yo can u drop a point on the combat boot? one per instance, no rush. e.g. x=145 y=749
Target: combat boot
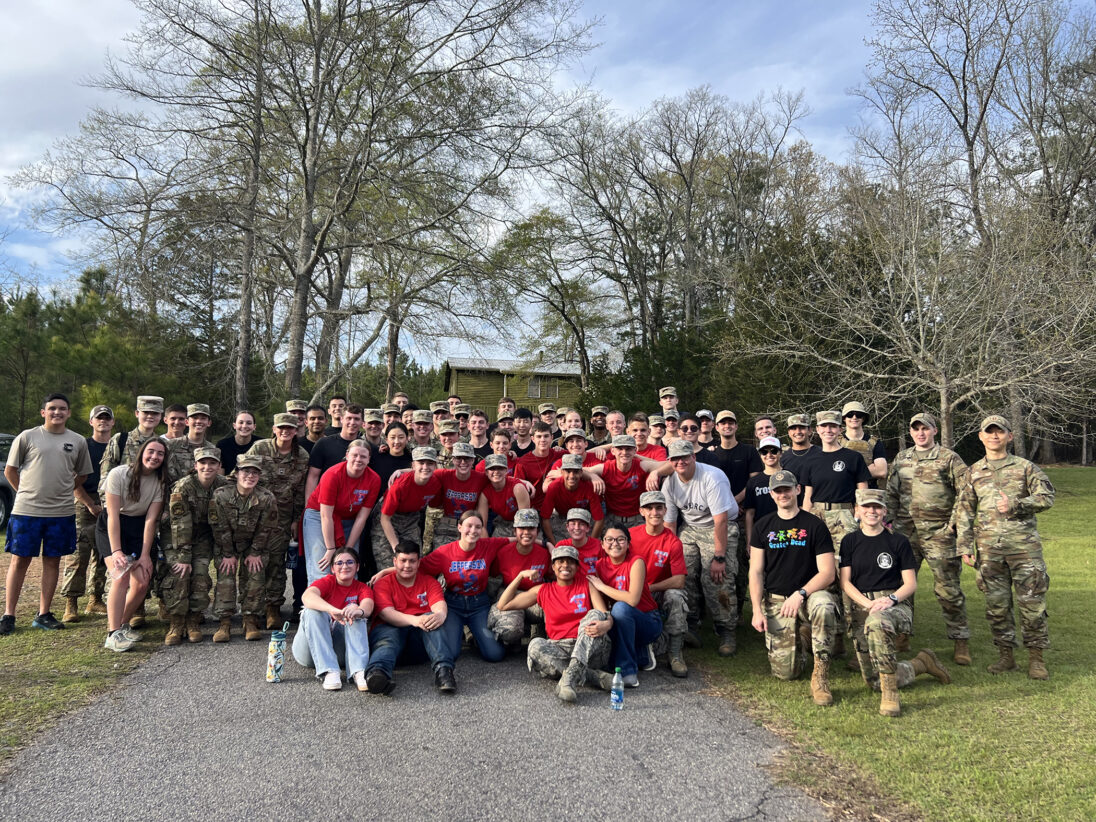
x=962 y=652
x=174 y=634
x=727 y=644
x=161 y=612
x=888 y=703
x=224 y=632
x=138 y=618
x=569 y=682
x=96 y=606
x=926 y=662
x=677 y=659
x=820 y=682
x=194 y=628
x=251 y=629
x=1037 y=669
x=273 y=617
x=72 y=610
x=1006 y=662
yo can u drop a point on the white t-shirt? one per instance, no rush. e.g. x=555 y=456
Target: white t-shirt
x=48 y=465
x=151 y=490
x=697 y=501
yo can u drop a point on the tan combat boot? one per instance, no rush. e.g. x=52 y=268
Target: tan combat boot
x=962 y=652
x=677 y=658
x=926 y=662
x=174 y=635
x=1006 y=662
x=224 y=632
x=1037 y=669
x=888 y=703
x=138 y=618
x=820 y=682
x=251 y=629
x=194 y=628
x=567 y=690
x=72 y=610
x=273 y=617
x=95 y=606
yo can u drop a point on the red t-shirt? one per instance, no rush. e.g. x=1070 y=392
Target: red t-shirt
x=620 y=576
x=564 y=607
x=663 y=554
x=458 y=496
x=503 y=502
x=405 y=497
x=535 y=469
x=560 y=500
x=588 y=459
x=346 y=494
x=652 y=452
x=340 y=596
x=414 y=600
x=465 y=572
x=588 y=554
x=510 y=562
x=622 y=491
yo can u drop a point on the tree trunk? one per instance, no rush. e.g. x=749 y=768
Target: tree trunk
x=947 y=438
x=1016 y=411
x=393 y=349
x=1084 y=441
x=329 y=328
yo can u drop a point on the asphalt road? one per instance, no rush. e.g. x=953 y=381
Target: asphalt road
x=197 y=733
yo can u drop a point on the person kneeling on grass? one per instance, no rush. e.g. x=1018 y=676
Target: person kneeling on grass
x=334 y=624
x=577 y=622
x=878 y=575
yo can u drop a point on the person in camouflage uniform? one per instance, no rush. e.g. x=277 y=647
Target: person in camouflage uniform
x=509 y=626
x=996 y=534
x=921 y=489
x=867 y=445
x=242 y=517
x=186 y=588
x=285 y=467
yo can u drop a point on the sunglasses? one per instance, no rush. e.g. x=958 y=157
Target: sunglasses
x=857 y=415
x=765 y=451
x=688 y=428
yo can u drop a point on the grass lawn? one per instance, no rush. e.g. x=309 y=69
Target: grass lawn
x=984 y=748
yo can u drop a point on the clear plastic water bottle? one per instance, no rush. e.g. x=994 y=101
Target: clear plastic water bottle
x=616 y=694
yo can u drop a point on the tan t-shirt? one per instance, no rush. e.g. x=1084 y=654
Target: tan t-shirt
x=151 y=490
x=48 y=465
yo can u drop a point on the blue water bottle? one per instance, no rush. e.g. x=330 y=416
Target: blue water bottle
x=616 y=694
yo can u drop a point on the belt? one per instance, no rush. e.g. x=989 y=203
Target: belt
x=836 y=506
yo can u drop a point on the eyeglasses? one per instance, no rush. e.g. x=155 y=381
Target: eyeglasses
x=342 y=563
x=688 y=428
x=614 y=540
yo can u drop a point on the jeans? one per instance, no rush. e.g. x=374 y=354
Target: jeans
x=389 y=642
x=313 y=543
x=632 y=629
x=323 y=644
x=473 y=612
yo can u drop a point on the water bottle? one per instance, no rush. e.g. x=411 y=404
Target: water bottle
x=616 y=694
x=275 y=655
x=291 y=554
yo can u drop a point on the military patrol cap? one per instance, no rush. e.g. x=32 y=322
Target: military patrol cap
x=582 y=514
x=624 y=441
x=850 y=407
x=925 y=418
x=670 y=415
x=391 y=408
x=545 y=407
x=249 y=461
x=725 y=415
x=782 y=479
x=704 y=412
x=995 y=419
x=463 y=449
x=196 y=408
x=526 y=518
x=573 y=432
x=565 y=552
x=147 y=402
x=439 y=406
x=424 y=454
x=680 y=448
x=827 y=418
x=207 y=452
x=871 y=496
x=296 y=405
x=495 y=461
x=99 y=410
x=599 y=409
x=372 y=415
x=464 y=409
x=448 y=427
x=655 y=419
x=799 y=421
x=769 y=442
x=563 y=410
x=506 y=415
x=648 y=498
x=285 y=421
x=571 y=462
x=668 y=391
x=422 y=415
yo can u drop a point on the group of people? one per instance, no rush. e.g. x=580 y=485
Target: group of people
x=602 y=542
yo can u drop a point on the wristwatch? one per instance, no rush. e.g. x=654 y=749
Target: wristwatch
x=892 y=598
x=802 y=592
x=719 y=559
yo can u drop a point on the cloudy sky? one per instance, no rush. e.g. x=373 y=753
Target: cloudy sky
x=648 y=49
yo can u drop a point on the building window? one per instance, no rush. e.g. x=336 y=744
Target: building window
x=543 y=388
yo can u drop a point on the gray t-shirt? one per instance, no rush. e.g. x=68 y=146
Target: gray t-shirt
x=151 y=490
x=48 y=465
x=697 y=501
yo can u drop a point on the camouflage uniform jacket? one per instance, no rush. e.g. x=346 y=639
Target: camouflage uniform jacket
x=189 y=509
x=241 y=524
x=180 y=458
x=922 y=487
x=978 y=524
x=114 y=455
x=284 y=476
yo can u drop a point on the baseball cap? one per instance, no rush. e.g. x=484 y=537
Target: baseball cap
x=624 y=441
x=249 y=461
x=526 y=518
x=571 y=462
x=651 y=498
x=439 y=406
x=424 y=453
x=574 y=432
x=496 y=461
x=827 y=418
x=564 y=552
x=448 y=427
x=925 y=418
x=704 y=412
x=799 y=421
x=285 y=421
x=656 y=419
x=99 y=411
x=422 y=415
x=463 y=410
x=680 y=448
x=147 y=402
x=725 y=415
x=668 y=391
x=995 y=419
x=580 y=513
x=196 y=408
x=207 y=452
x=599 y=409
x=769 y=442
x=782 y=479
x=296 y=405
x=463 y=449
x=545 y=407
x=871 y=496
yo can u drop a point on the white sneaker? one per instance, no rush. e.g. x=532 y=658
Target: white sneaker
x=117 y=641
x=651 y=661
x=359 y=680
x=332 y=681
x=130 y=634
x=631 y=681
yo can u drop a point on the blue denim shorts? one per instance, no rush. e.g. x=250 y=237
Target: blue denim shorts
x=51 y=536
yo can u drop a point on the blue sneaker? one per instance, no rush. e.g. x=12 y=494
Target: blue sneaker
x=47 y=622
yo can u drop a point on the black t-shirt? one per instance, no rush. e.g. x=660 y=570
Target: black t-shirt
x=833 y=475
x=327 y=452
x=877 y=562
x=737 y=463
x=482 y=451
x=796 y=461
x=518 y=450
x=386 y=465
x=790 y=547
x=96 y=450
x=230 y=450
x=305 y=443
x=332 y=431
x=757 y=497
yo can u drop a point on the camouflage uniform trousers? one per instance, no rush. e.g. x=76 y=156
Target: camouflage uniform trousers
x=1027 y=573
x=162 y=572
x=74 y=582
x=274 y=566
x=406 y=527
x=549 y=658
x=788 y=651
x=674 y=605
x=251 y=588
x=874 y=635
x=946 y=571
x=429 y=525
x=445 y=531
x=840 y=522
x=509 y=626
x=190 y=594
x=720 y=598
x=617 y=521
